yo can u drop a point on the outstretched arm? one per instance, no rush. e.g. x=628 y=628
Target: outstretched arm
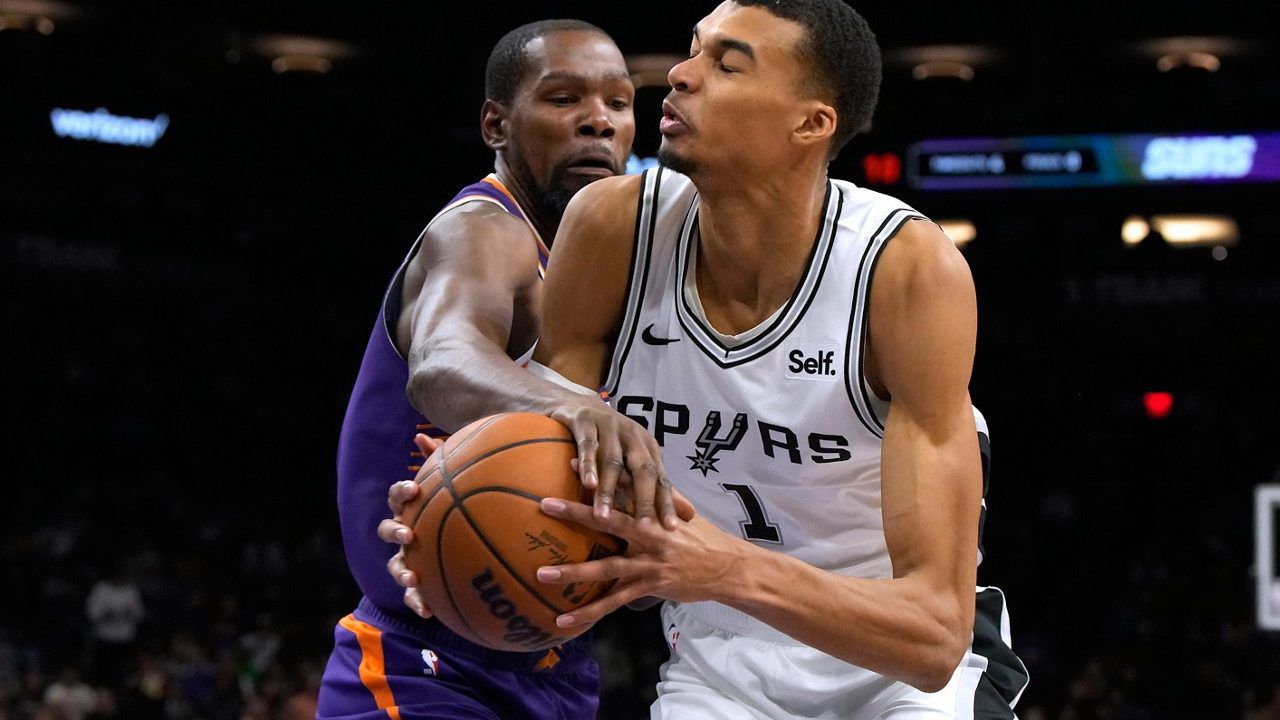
x=914 y=626
x=470 y=300
x=477 y=275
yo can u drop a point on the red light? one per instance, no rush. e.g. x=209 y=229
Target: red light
x=1158 y=404
x=884 y=169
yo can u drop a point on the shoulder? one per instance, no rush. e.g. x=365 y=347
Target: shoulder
x=870 y=212
x=915 y=248
x=603 y=203
x=922 y=259
x=478 y=219
x=476 y=230
x=599 y=221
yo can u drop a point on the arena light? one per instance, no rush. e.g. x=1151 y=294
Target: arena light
x=1197 y=52
x=1135 y=230
x=301 y=63
x=943 y=69
x=300 y=53
x=960 y=62
x=1199 y=60
x=17 y=21
x=33 y=15
x=1197 y=230
x=961 y=231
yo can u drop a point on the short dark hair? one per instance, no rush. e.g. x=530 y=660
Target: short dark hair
x=842 y=55
x=509 y=62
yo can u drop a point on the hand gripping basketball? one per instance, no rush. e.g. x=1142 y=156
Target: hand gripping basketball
x=477 y=535
x=391 y=530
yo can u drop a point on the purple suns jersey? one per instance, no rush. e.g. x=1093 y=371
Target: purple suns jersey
x=375 y=448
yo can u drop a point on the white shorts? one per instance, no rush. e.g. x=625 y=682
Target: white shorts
x=718 y=673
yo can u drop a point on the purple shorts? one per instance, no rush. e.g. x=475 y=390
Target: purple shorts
x=399 y=667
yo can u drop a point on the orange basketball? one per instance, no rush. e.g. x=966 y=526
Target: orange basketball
x=480 y=536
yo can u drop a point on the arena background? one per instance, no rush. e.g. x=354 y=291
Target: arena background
x=183 y=322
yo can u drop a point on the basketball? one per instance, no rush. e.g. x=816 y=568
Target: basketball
x=480 y=535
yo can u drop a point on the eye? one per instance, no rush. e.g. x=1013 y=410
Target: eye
x=620 y=104
x=562 y=100
x=725 y=68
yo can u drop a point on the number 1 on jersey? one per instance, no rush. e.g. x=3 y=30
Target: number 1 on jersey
x=757 y=525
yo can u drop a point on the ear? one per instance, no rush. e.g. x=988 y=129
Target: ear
x=817 y=126
x=493 y=125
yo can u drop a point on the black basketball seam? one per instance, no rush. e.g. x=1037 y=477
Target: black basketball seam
x=419 y=482
x=477 y=431
x=497 y=556
x=444 y=579
x=447 y=482
x=448 y=476
x=509 y=491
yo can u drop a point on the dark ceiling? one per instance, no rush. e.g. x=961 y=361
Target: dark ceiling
x=408 y=94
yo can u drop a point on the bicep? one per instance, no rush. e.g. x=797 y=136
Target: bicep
x=586 y=281
x=923 y=326
x=475 y=269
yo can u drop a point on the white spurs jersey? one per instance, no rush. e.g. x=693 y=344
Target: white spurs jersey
x=773 y=435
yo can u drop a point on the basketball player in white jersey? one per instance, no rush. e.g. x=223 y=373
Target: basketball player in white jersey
x=801 y=348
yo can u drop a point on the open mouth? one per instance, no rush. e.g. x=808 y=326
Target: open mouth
x=672 y=123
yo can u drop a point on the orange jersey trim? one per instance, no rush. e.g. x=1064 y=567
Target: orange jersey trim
x=548 y=661
x=373 y=671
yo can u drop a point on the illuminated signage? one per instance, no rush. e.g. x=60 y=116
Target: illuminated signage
x=101 y=126
x=1199 y=158
x=882 y=169
x=1093 y=161
x=1266 y=525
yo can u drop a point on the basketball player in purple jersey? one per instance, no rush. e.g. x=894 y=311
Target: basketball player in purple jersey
x=558 y=116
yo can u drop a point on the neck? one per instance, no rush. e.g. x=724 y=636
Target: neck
x=545 y=221
x=756 y=234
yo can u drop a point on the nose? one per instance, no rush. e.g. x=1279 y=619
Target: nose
x=598 y=120
x=682 y=77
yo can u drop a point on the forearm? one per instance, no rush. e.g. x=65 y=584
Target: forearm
x=456 y=381
x=906 y=628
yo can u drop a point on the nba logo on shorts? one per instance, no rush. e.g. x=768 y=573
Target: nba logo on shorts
x=432 y=662
x=673 y=636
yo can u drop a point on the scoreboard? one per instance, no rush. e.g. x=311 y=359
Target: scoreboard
x=1093 y=161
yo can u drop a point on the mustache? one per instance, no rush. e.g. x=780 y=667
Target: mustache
x=599 y=156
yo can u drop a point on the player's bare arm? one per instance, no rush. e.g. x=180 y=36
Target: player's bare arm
x=469 y=298
x=476 y=280
x=470 y=307
x=916 y=625
x=583 y=297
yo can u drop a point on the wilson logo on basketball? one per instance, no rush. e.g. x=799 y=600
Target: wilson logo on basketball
x=519 y=629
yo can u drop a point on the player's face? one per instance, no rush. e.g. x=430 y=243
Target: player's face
x=571 y=121
x=735 y=102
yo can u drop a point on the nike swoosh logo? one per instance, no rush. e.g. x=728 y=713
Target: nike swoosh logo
x=649 y=338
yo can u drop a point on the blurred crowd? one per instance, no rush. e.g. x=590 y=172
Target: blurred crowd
x=160 y=633
x=221 y=625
